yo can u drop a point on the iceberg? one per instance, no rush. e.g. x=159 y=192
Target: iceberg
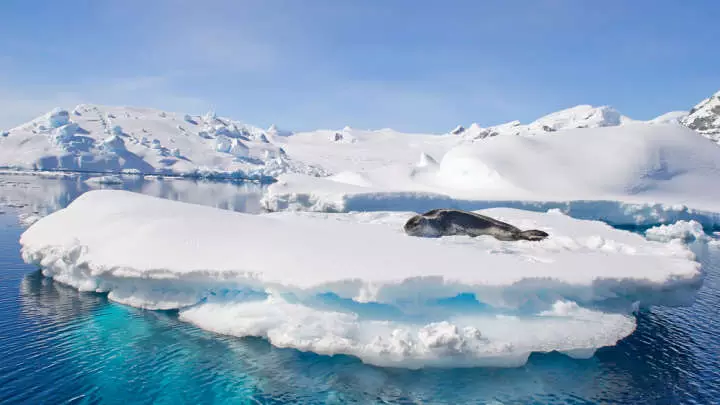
x=355 y=284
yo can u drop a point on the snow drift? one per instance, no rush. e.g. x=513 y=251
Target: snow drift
x=355 y=284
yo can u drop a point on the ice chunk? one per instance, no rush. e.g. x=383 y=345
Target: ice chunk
x=62 y=135
x=27 y=219
x=686 y=231
x=232 y=146
x=100 y=180
x=57 y=118
x=210 y=117
x=113 y=144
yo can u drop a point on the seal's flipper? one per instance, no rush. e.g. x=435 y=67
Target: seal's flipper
x=533 y=234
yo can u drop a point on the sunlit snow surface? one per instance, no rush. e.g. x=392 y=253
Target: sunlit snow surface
x=355 y=284
x=637 y=173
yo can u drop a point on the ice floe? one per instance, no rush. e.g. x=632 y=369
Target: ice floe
x=356 y=284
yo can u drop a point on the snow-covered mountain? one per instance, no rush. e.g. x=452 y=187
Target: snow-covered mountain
x=96 y=138
x=581 y=116
x=672 y=117
x=705 y=117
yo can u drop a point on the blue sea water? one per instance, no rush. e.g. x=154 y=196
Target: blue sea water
x=60 y=346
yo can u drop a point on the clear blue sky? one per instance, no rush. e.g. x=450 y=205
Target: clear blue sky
x=410 y=65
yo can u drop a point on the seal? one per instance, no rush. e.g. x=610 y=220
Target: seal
x=445 y=222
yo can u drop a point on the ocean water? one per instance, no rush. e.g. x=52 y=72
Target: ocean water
x=60 y=346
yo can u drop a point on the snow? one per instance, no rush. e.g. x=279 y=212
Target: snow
x=581 y=116
x=26 y=219
x=356 y=284
x=672 y=117
x=686 y=231
x=705 y=117
x=115 y=139
x=101 y=180
x=636 y=172
x=57 y=118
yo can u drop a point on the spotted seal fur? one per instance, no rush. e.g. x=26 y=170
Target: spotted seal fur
x=445 y=222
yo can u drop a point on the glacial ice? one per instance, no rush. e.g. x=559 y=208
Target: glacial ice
x=356 y=284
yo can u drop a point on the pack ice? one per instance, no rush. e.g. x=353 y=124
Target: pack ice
x=355 y=284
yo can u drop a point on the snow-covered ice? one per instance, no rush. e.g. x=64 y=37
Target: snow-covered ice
x=636 y=173
x=356 y=284
x=686 y=231
x=101 y=180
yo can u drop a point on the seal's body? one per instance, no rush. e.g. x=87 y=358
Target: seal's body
x=444 y=222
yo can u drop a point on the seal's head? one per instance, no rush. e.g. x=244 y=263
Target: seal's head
x=421 y=226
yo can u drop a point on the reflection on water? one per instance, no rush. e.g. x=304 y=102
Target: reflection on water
x=28 y=194
x=58 y=345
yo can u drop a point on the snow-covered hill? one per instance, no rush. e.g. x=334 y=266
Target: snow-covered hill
x=672 y=117
x=637 y=163
x=705 y=117
x=95 y=138
x=581 y=116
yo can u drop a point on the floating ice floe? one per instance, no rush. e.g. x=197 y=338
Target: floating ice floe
x=356 y=284
x=105 y=180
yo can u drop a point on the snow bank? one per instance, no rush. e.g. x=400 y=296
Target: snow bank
x=356 y=284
